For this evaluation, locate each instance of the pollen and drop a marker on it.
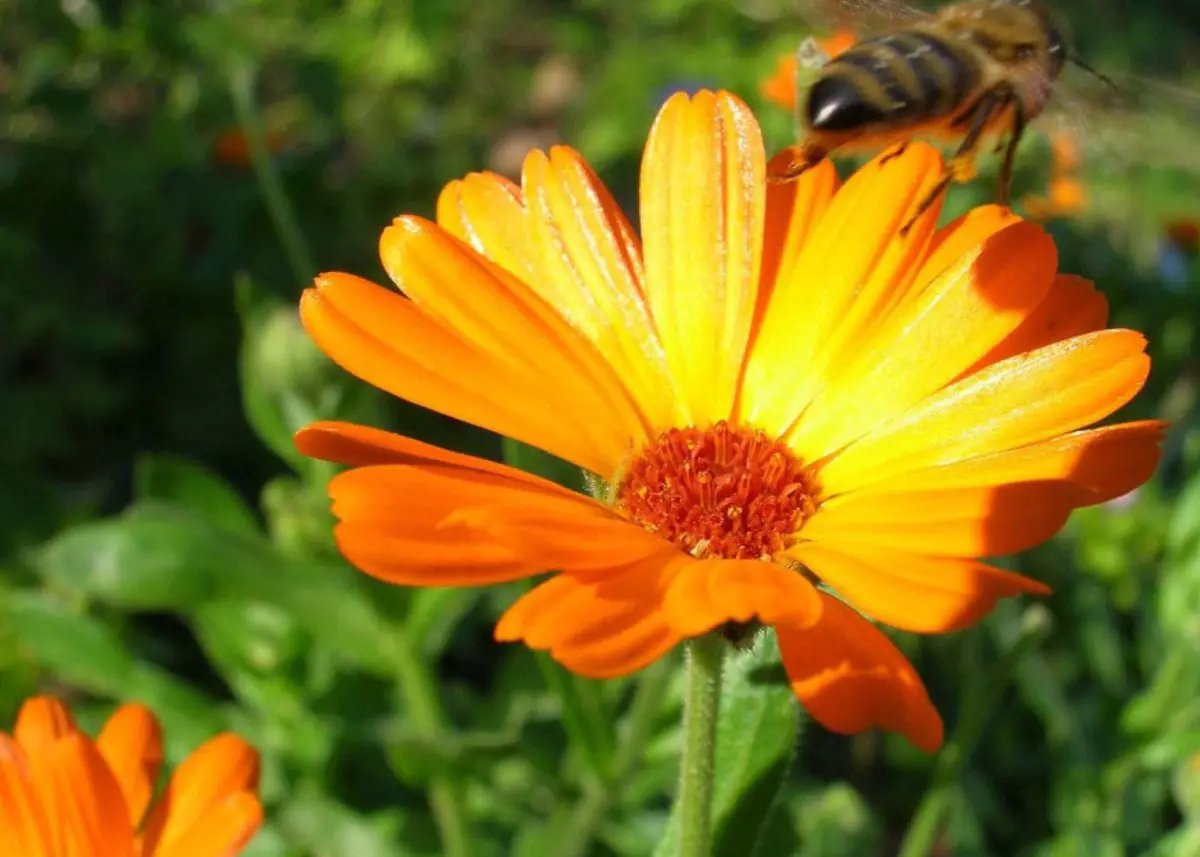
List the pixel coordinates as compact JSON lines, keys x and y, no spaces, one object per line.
{"x":722,"y":492}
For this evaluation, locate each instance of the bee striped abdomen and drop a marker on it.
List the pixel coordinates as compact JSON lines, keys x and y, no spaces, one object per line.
{"x":906,"y":77}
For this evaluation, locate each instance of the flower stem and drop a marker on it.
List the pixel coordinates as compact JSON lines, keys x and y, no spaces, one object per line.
{"x":270,"y":185}
{"x":425,"y":713}
{"x":930,"y":816}
{"x":705,"y":660}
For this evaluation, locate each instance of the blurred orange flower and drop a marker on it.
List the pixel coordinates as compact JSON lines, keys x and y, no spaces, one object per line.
{"x":1066,"y":194}
{"x":63,"y":794}
{"x":780,"y":86}
{"x":1184,"y":234}
{"x":773,"y":387}
{"x":231,"y":148}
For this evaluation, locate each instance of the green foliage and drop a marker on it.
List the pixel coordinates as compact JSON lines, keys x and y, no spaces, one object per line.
{"x":163,"y":541}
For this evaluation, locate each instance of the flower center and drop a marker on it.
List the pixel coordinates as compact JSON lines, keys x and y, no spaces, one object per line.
{"x":726,"y":492}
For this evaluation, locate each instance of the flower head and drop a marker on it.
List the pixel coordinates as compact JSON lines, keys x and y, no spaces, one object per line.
{"x":1066,"y":195}
{"x":1184,"y":233}
{"x":782,"y":394}
{"x":63,"y":794}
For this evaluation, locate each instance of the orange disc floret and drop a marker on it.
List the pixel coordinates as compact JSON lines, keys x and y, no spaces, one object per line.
{"x":67,"y":794}
{"x":720,"y":492}
{"x":775,"y":383}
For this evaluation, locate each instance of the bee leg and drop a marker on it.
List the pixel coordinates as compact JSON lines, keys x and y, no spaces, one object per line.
{"x":989,"y":104}
{"x":804,"y":159}
{"x":1010,"y":154}
{"x":894,"y":152}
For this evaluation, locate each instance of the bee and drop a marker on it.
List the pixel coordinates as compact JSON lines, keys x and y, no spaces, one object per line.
{"x":974,"y":70}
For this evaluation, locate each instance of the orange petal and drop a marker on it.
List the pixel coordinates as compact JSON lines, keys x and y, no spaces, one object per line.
{"x":41,"y":721}
{"x":487,"y":211}
{"x":24,"y":827}
{"x":348,"y":443}
{"x":85,"y":801}
{"x":504,"y":319}
{"x":361,"y":326}
{"x":1018,"y":401}
{"x":956,"y":239}
{"x":1105,"y":462}
{"x":222,"y":767}
{"x":991,"y":520}
{"x":851,"y":678}
{"x":590,"y":267}
{"x":227,"y":826}
{"x":702,"y":201}
{"x":793,"y":210}
{"x":929,"y":341}
{"x":131,"y":744}
{"x":440,"y":525}
{"x":564,"y":235}
{"x":909,"y":591}
{"x":601,"y":628}
{"x":1071,"y":308}
{"x":852,"y":269}
{"x":708,"y":593}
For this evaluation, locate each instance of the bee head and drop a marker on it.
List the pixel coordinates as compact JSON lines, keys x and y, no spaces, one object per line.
{"x":1056,"y":47}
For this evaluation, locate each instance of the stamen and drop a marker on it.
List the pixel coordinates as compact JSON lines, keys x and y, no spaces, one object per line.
{"x":725,"y":492}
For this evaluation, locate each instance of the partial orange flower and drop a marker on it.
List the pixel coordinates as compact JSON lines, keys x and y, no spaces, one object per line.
{"x":780,"y":87}
{"x":1066,"y":194}
{"x":63,"y":794}
{"x":773,"y":387}
{"x":231,"y":148}
{"x":1184,"y":234}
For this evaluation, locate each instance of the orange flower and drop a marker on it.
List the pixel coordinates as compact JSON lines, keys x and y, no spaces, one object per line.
{"x":1184,"y":234}
{"x":231,"y":148}
{"x":780,"y":87}
{"x":1064,"y":150}
{"x":1066,"y":196}
{"x":772,"y":386}
{"x":63,"y":794}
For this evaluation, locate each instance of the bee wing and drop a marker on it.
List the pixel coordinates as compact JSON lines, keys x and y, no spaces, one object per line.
{"x":864,"y":17}
{"x":1128,"y":121}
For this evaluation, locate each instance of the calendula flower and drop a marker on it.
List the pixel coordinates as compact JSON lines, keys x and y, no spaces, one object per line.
{"x":779,"y":394}
{"x":780,"y":86}
{"x":1066,"y":196}
{"x":64,"y":795}
{"x":231,"y":148}
{"x":1184,"y":233}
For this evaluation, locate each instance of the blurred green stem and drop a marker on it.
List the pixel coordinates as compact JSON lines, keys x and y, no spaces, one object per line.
{"x":279,"y":207}
{"x":705,"y":660}
{"x":425,"y":711}
{"x":931,"y":814}
{"x":588,"y":815}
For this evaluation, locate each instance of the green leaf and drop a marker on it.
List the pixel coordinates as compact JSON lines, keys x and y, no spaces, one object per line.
{"x":756,"y":740}
{"x":154,"y":556}
{"x":193,"y":486}
{"x":435,"y":612}
{"x":834,"y":821}
{"x":81,"y":650}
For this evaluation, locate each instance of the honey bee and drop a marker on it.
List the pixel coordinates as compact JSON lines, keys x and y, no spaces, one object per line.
{"x":974,"y":70}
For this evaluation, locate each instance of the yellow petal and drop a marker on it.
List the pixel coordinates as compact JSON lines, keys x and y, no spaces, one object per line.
{"x":853,"y":269}
{"x":1018,"y":401}
{"x":702,"y":201}
{"x":931,"y":339}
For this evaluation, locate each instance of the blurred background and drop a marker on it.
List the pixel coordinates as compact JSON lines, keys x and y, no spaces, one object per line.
{"x":172,"y":174}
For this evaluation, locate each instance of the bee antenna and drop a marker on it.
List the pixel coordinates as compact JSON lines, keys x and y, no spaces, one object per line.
{"x":1095,"y":73}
